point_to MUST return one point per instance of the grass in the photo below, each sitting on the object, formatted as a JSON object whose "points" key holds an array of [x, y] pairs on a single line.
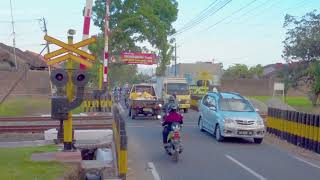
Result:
{"points": [[260, 98], [24, 106], [28, 106], [300, 103], [16, 164]]}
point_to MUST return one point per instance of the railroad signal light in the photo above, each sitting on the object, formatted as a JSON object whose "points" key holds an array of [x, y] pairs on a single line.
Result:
{"points": [[59, 77], [80, 78]]}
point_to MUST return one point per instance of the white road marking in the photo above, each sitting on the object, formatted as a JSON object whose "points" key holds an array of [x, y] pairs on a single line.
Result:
{"points": [[246, 168], [307, 162], [154, 171]]}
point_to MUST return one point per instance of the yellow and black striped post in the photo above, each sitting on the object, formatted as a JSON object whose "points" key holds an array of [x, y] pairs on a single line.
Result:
{"points": [[297, 128], [317, 134], [121, 141]]}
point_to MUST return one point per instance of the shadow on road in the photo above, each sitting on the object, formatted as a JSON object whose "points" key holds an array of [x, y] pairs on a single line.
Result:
{"points": [[230, 140]]}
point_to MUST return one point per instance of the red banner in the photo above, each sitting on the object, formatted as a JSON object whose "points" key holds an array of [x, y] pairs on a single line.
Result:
{"points": [[139, 58]]}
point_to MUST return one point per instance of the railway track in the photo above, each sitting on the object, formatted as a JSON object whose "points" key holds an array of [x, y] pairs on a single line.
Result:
{"points": [[41, 124], [39, 118]]}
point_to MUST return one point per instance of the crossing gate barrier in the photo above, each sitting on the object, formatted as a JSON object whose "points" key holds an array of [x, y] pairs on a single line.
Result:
{"points": [[92, 104], [121, 141], [298, 128]]}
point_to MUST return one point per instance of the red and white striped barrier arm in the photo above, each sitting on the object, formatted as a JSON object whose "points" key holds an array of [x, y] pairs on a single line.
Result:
{"points": [[86, 26], [106, 43]]}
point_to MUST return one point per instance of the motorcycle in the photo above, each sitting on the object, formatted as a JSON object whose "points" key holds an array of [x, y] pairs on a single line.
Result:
{"points": [[174, 140]]}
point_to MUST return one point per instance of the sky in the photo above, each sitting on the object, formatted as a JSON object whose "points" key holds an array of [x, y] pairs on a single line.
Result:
{"points": [[252, 35]]}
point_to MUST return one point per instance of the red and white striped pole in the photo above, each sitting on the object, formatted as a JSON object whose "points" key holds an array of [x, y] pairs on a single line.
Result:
{"points": [[86, 26], [106, 43]]}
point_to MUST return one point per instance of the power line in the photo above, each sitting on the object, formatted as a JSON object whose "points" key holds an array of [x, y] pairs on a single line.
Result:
{"points": [[199, 16], [298, 5], [251, 10], [235, 12], [212, 12]]}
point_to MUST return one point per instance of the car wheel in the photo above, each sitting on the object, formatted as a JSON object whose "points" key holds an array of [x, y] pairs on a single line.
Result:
{"points": [[200, 124], [218, 135], [257, 140]]}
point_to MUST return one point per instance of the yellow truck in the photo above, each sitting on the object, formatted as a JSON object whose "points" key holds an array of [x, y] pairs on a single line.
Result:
{"points": [[179, 87], [143, 100]]}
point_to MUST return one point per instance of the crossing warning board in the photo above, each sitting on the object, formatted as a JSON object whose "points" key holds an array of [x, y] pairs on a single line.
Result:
{"points": [[69, 52]]}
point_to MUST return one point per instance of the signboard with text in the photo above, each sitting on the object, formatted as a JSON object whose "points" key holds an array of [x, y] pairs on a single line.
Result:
{"points": [[198, 90], [138, 58]]}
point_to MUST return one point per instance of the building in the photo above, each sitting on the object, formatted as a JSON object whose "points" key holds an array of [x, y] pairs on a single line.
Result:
{"points": [[272, 69], [195, 71], [27, 58]]}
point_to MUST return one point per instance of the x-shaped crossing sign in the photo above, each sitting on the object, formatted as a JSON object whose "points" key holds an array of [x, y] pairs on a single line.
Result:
{"points": [[70, 49]]}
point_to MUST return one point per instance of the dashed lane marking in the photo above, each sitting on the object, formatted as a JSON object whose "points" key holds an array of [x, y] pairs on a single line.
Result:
{"points": [[154, 171], [260, 177]]}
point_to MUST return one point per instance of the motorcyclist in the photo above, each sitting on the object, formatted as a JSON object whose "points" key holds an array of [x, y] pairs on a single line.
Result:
{"points": [[171, 101], [169, 118]]}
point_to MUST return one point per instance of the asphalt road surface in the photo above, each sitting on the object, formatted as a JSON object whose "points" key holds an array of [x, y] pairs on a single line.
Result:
{"points": [[204, 158]]}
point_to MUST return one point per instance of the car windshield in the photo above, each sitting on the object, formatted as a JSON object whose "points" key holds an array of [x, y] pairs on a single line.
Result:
{"points": [[238, 105], [178, 88]]}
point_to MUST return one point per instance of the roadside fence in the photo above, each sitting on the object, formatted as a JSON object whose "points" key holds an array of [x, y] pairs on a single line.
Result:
{"points": [[121, 142], [298, 128], [92, 104]]}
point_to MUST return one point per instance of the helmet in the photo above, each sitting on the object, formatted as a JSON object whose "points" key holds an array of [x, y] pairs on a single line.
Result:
{"points": [[171, 99], [173, 107]]}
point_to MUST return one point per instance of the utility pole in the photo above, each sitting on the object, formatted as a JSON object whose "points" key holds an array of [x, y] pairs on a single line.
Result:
{"points": [[14, 38], [45, 30], [175, 60]]}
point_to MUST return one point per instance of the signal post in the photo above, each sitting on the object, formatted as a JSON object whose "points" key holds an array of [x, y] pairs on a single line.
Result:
{"points": [[61, 106], [67, 139]]}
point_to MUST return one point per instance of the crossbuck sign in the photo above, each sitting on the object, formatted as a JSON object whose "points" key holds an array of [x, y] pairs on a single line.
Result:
{"points": [[70, 49]]}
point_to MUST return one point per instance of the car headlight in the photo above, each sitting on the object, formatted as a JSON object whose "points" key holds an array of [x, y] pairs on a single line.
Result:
{"points": [[260, 122], [228, 121]]}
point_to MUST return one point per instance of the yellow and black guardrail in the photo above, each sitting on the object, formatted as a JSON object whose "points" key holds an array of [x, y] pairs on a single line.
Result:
{"points": [[121, 142], [298, 128], [91, 104]]}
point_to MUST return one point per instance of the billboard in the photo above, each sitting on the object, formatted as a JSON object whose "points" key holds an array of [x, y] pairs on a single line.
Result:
{"points": [[138, 58]]}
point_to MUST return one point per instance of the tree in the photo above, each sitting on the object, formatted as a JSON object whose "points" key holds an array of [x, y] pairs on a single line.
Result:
{"points": [[302, 44], [314, 74], [237, 71], [303, 37], [256, 71], [136, 21]]}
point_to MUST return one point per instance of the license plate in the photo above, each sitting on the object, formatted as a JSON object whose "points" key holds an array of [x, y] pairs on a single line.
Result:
{"points": [[147, 109], [176, 135], [244, 132]]}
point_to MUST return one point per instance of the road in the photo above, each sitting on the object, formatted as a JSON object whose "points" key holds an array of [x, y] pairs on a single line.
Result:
{"points": [[206, 159]]}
